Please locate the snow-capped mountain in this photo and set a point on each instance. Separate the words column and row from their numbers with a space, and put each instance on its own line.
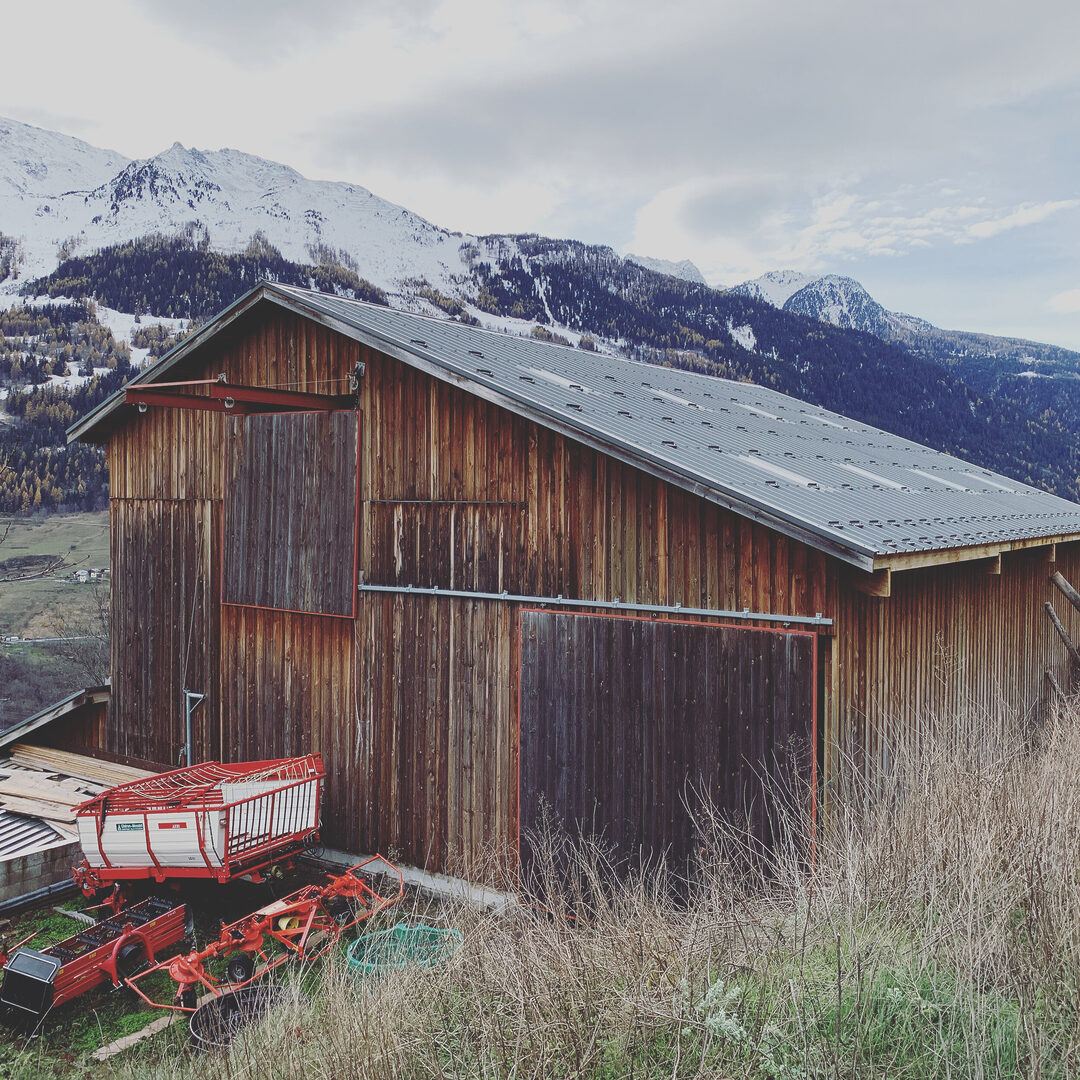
column 776, row 287
column 831, row 298
column 683, row 269
column 843, row 302
column 37, row 166
column 58, row 195
column 61, row 197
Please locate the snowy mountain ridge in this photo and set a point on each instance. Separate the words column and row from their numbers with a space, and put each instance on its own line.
column 684, row 269
column 59, row 197
column 832, row 298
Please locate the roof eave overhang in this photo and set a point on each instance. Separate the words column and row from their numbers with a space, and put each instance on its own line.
column 18, row 732
column 93, row 427
column 914, row 560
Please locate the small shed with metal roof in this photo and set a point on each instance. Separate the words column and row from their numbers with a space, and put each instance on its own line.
column 484, row 573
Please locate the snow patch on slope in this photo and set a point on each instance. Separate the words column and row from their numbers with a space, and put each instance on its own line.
column 742, row 335
column 683, row 269
column 776, row 287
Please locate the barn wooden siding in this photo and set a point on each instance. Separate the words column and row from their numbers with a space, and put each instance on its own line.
column 82, row 730
column 628, row 724
column 290, row 487
column 953, row 648
column 412, row 701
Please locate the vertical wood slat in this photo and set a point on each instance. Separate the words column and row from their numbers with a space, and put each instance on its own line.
column 165, row 632
column 290, row 511
column 627, row 723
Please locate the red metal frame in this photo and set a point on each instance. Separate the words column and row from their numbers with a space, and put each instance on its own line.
column 592, row 613
column 223, row 397
column 89, row 958
column 196, row 789
column 303, row 924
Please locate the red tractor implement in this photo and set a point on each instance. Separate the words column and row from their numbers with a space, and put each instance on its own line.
column 108, row 951
column 301, row 926
column 204, row 821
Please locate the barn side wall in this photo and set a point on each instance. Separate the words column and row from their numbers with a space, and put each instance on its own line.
column 954, row 649
column 413, row 700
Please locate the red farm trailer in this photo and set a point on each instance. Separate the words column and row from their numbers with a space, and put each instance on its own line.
column 203, row 821
column 107, row 951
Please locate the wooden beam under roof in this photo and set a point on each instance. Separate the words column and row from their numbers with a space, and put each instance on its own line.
column 879, row 583
column 948, row 556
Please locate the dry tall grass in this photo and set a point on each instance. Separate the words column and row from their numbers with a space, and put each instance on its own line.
column 937, row 934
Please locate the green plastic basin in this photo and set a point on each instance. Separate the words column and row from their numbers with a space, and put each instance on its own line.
column 402, row 946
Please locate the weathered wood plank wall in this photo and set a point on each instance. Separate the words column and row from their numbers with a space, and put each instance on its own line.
column 287, row 688
column 628, row 724
column 290, row 513
column 165, row 626
column 436, row 768
column 954, row 648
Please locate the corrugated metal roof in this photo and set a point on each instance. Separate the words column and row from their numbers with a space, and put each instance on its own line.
column 847, row 487
column 24, row 835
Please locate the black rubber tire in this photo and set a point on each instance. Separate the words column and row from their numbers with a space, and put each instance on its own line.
column 340, row 910
column 239, row 968
column 189, row 999
column 130, row 960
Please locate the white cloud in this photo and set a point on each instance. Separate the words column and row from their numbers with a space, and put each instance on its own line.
column 838, row 226
column 1030, row 214
column 840, row 136
column 1065, row 303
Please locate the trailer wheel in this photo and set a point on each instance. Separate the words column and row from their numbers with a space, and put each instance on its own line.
column 340, row 910
column 240, row 968
column 131, row 959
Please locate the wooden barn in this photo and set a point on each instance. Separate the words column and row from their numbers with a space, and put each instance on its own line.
column 481, row 574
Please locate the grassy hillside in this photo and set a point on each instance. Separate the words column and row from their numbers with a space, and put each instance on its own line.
column 33, row 676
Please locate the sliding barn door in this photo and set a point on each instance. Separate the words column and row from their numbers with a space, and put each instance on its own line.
column 628, row 724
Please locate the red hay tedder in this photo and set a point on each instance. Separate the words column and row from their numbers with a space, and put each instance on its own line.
column 300, row 926
column 203, row 821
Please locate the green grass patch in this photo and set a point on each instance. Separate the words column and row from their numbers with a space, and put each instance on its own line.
column 804, row 1017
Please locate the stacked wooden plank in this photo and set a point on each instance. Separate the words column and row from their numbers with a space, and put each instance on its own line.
column 48, row 784
column 105, row 774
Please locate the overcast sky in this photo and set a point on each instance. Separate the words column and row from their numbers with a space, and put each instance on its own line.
column 929, row 149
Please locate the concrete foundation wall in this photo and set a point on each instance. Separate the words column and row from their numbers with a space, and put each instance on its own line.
column 38, row 870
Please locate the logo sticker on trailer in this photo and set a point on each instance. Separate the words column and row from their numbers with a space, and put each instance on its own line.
column 172, row 824
column 129, row 826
